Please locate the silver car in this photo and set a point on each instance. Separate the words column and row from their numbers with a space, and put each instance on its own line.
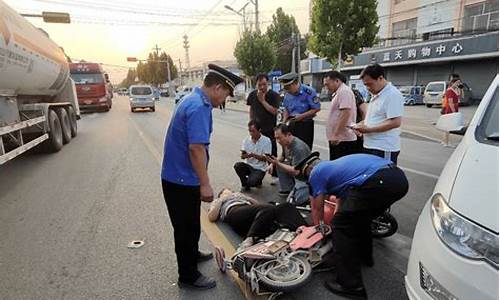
column 141, row 96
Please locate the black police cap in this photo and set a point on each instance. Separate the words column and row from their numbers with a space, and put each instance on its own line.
column 231, row 79
column 311, row 159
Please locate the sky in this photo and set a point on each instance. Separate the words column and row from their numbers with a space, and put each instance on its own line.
column 110, row 31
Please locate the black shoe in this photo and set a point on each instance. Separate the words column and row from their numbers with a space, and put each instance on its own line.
column 352, row 293
column 202, row 283
column 284, row 193
column 204, row 255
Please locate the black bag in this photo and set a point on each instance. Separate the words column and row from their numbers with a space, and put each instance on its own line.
column 359, row 100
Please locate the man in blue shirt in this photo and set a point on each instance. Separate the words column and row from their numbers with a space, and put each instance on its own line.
column 365, row 186
column 301, row 105
column 185, row 180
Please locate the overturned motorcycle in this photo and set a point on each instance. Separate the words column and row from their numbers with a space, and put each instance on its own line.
column 280, row 263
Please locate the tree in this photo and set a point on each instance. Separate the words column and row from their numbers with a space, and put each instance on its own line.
column 342, row 28
column 130, row 79
column 154, row 70
column 280, row 32
column 255, row 53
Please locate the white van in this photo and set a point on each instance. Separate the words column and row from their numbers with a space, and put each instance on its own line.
column 454, row 254
column 142, row 96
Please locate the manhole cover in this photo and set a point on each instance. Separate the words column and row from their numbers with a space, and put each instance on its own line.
column 135, row 244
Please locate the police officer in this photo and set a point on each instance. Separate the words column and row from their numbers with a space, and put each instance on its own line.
column 301, row 105
column 365, row 185
column 185, row 180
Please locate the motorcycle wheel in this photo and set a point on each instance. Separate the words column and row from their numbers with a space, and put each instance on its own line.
column 384, row 226
column 282, row 275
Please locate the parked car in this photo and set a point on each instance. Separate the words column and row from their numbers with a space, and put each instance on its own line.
column 412, row 95
column 156, row 93
column 164, row 93
column 182, row 91
column 123, row 91
column 435, row 90
column 454, row 253
column 142, row 96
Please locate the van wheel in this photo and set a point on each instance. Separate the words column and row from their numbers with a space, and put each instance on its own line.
column 429, row 105
column 65, row 124
column 152, row 109
column 55, row 141
column 132, row 110
column 72, row 121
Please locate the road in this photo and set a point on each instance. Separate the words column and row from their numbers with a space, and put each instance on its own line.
column 66, row 218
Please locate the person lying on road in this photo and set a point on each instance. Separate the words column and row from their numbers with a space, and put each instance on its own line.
column 251, row 219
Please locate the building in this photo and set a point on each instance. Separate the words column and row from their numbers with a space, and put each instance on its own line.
column 427, row 40
column 194, row 76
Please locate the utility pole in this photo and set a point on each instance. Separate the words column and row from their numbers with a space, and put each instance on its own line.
column 180, row 70
column 257, row 27
column 157, row 49
column 298, row 55
column 186, row 49
column 293, row 52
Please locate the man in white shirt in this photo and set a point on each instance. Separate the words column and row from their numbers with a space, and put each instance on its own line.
column 380, row 128
column 253, row 150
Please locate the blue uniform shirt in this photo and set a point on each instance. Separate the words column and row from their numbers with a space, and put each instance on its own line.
column 190, row 124
column 334, row 177
column 305, row 100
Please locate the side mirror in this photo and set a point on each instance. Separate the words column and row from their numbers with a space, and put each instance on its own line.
column 453, row 123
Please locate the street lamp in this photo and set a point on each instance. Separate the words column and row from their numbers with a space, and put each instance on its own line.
column 51, row 17
column 239, row 12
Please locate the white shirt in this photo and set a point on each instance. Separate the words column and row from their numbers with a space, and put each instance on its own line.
column 261, row 147
column 387, row 104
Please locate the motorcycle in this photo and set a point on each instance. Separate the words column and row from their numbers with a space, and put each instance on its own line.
column 382, row 226
column 280, row 263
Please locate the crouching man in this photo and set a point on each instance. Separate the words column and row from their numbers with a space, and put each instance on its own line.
column 365, row 186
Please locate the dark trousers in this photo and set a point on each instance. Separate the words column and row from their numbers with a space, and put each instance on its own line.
column 392, row 156
column 183, row 204
column 274, row 147
column 304, row 130
column 249, row 176
column 261, row 220
column 352, row 240
column 343, row 149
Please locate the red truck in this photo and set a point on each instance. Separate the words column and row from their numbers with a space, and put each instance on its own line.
column 93, row 88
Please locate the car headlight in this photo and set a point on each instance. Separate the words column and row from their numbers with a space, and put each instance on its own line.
column 461, row 235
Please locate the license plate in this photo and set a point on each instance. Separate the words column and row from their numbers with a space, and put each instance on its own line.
column 88, row 102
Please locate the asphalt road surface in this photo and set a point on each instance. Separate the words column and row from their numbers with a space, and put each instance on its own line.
column 66, row 218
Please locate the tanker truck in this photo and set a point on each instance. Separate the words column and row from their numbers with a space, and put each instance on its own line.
column 38, row 102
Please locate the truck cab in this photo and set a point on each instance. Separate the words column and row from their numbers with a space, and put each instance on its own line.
column 92, row 86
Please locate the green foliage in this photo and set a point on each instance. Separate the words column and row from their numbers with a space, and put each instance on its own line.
column 280, row 32
column 342, row 26
column 154, row 70
column 255, row 53
column 130, row 79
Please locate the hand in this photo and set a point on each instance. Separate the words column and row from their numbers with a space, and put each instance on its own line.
column 334, row 142
column 323, row 228
column 299, row 118
column 271, row 159
column 207, row 193
column 261, row 96
column 362, row 128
